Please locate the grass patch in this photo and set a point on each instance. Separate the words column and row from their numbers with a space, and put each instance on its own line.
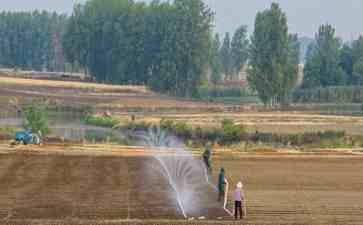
column 228, row 133
column 101, row 121
column 106, row 137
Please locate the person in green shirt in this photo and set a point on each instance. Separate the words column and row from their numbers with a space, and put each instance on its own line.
column 221, row 184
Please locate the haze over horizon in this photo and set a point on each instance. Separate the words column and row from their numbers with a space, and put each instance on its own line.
column 304, row 17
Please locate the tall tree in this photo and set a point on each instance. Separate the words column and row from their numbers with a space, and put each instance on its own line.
column 164, row 45
column 107, row 38
column 291, row 69
column 226, row 56
column 239, row 49
column 273, row 57
column 358, row 72
column 214, row 61
column 357, row 49
column 346, row 62
column 28, row 40
column 323, row 65
column 351, row 56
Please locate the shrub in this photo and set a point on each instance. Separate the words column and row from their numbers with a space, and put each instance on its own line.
column 166, row 124
column 179, row 129
column 228, row 133
column 232, row 133
column 322, row 138
column 183, row 130
column 106, row 136
column 101, row 121
column 212, row 134
column 36, row 118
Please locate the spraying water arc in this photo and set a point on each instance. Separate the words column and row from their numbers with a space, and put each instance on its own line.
column 186, row 175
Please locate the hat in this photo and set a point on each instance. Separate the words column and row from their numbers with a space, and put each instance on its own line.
column 240, row 185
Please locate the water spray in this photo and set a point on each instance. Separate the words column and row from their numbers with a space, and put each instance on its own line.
column 186, row 175
column 172, row 184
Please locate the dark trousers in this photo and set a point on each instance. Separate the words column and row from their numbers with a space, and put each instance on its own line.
column 238, row 209
column 207, row 163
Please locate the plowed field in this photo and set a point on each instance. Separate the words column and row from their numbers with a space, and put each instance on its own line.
column 280, row 190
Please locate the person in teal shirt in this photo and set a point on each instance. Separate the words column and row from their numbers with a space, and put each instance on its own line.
column 221, row 185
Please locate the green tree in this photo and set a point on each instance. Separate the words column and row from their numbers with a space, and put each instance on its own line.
column 164, row 44
column 182, row 32
column 239, row 49
column 75, row 39
column 346, row 62
column 30, row 40
column 323, row 65
column 357, row 49
column 36, row 118
column 215, row 63
column 226, row 56
column 350, row 55
column 291, row 70
column 107, row 38
column 358, row 72
column 273, row 57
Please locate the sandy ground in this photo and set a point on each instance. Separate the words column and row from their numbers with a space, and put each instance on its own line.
column 290, row 189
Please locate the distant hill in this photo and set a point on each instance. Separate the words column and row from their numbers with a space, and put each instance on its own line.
column 304, row 45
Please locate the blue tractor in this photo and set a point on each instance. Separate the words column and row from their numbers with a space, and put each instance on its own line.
column 27, row 137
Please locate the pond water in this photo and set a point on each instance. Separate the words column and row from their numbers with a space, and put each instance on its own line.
column 67, row 125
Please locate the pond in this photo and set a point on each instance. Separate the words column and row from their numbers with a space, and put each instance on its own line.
column 67, row 125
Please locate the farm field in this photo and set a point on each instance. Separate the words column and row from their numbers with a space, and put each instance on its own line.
column 122, row 101
column 37, row 187
column 75, row 184
column 98, row 96
column 180, row 112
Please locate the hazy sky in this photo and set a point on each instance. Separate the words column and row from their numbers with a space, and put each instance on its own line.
column 304, row 16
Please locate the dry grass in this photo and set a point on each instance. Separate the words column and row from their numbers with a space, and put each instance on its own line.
column 264, row 122
column 71, row 85
column 99, row 96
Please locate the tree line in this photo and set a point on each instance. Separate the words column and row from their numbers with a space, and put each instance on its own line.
column 171, row 47
column 32, row 40
column 333, row 71
column 331, row 63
